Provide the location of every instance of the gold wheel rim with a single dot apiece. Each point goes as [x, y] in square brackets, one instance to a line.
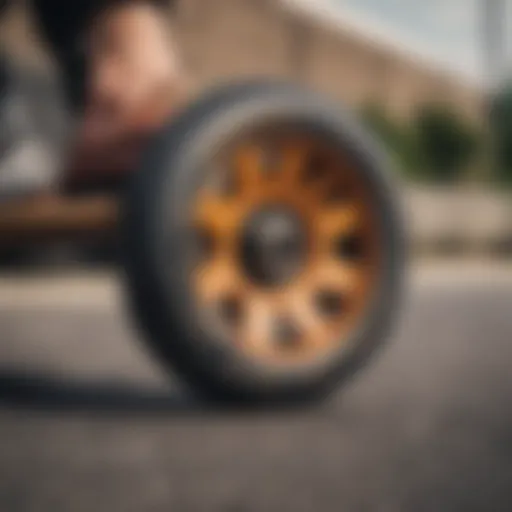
[318, 308]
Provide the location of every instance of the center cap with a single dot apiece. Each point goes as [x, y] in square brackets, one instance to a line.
[273, 246]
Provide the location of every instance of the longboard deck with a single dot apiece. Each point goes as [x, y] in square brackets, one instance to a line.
[56, 217]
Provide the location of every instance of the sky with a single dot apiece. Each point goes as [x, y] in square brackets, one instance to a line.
[448, 30]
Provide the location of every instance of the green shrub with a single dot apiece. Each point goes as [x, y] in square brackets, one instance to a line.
[397, 138]
[501, 136]
[437, 145]
[446, 143]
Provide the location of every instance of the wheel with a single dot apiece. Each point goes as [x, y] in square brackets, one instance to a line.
[262, 245]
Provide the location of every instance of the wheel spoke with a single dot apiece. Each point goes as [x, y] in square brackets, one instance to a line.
[216, 280]
[306, 318]
[249, 167]
[335, 275]
[292, 163]
[217, 216]
[338, 220]
[257, 324]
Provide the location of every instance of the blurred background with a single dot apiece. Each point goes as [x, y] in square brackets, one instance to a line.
[429, 80]
[87, 421]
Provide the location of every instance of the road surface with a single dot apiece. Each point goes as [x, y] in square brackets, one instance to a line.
[88, 422]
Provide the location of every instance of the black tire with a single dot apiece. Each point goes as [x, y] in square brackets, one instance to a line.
[155, 259]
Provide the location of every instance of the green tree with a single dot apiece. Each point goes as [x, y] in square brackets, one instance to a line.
[396, 137]
[447, 143]
[501, 135]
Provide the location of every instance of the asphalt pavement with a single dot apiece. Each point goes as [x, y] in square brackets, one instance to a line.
[89, 422]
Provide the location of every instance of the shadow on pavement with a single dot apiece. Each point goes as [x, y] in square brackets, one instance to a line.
[31, 391]
[39, 392]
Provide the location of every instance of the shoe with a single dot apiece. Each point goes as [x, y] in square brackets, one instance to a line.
[26, 170]
[31, 145]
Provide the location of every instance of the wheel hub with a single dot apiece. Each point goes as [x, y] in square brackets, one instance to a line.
[273, 246]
